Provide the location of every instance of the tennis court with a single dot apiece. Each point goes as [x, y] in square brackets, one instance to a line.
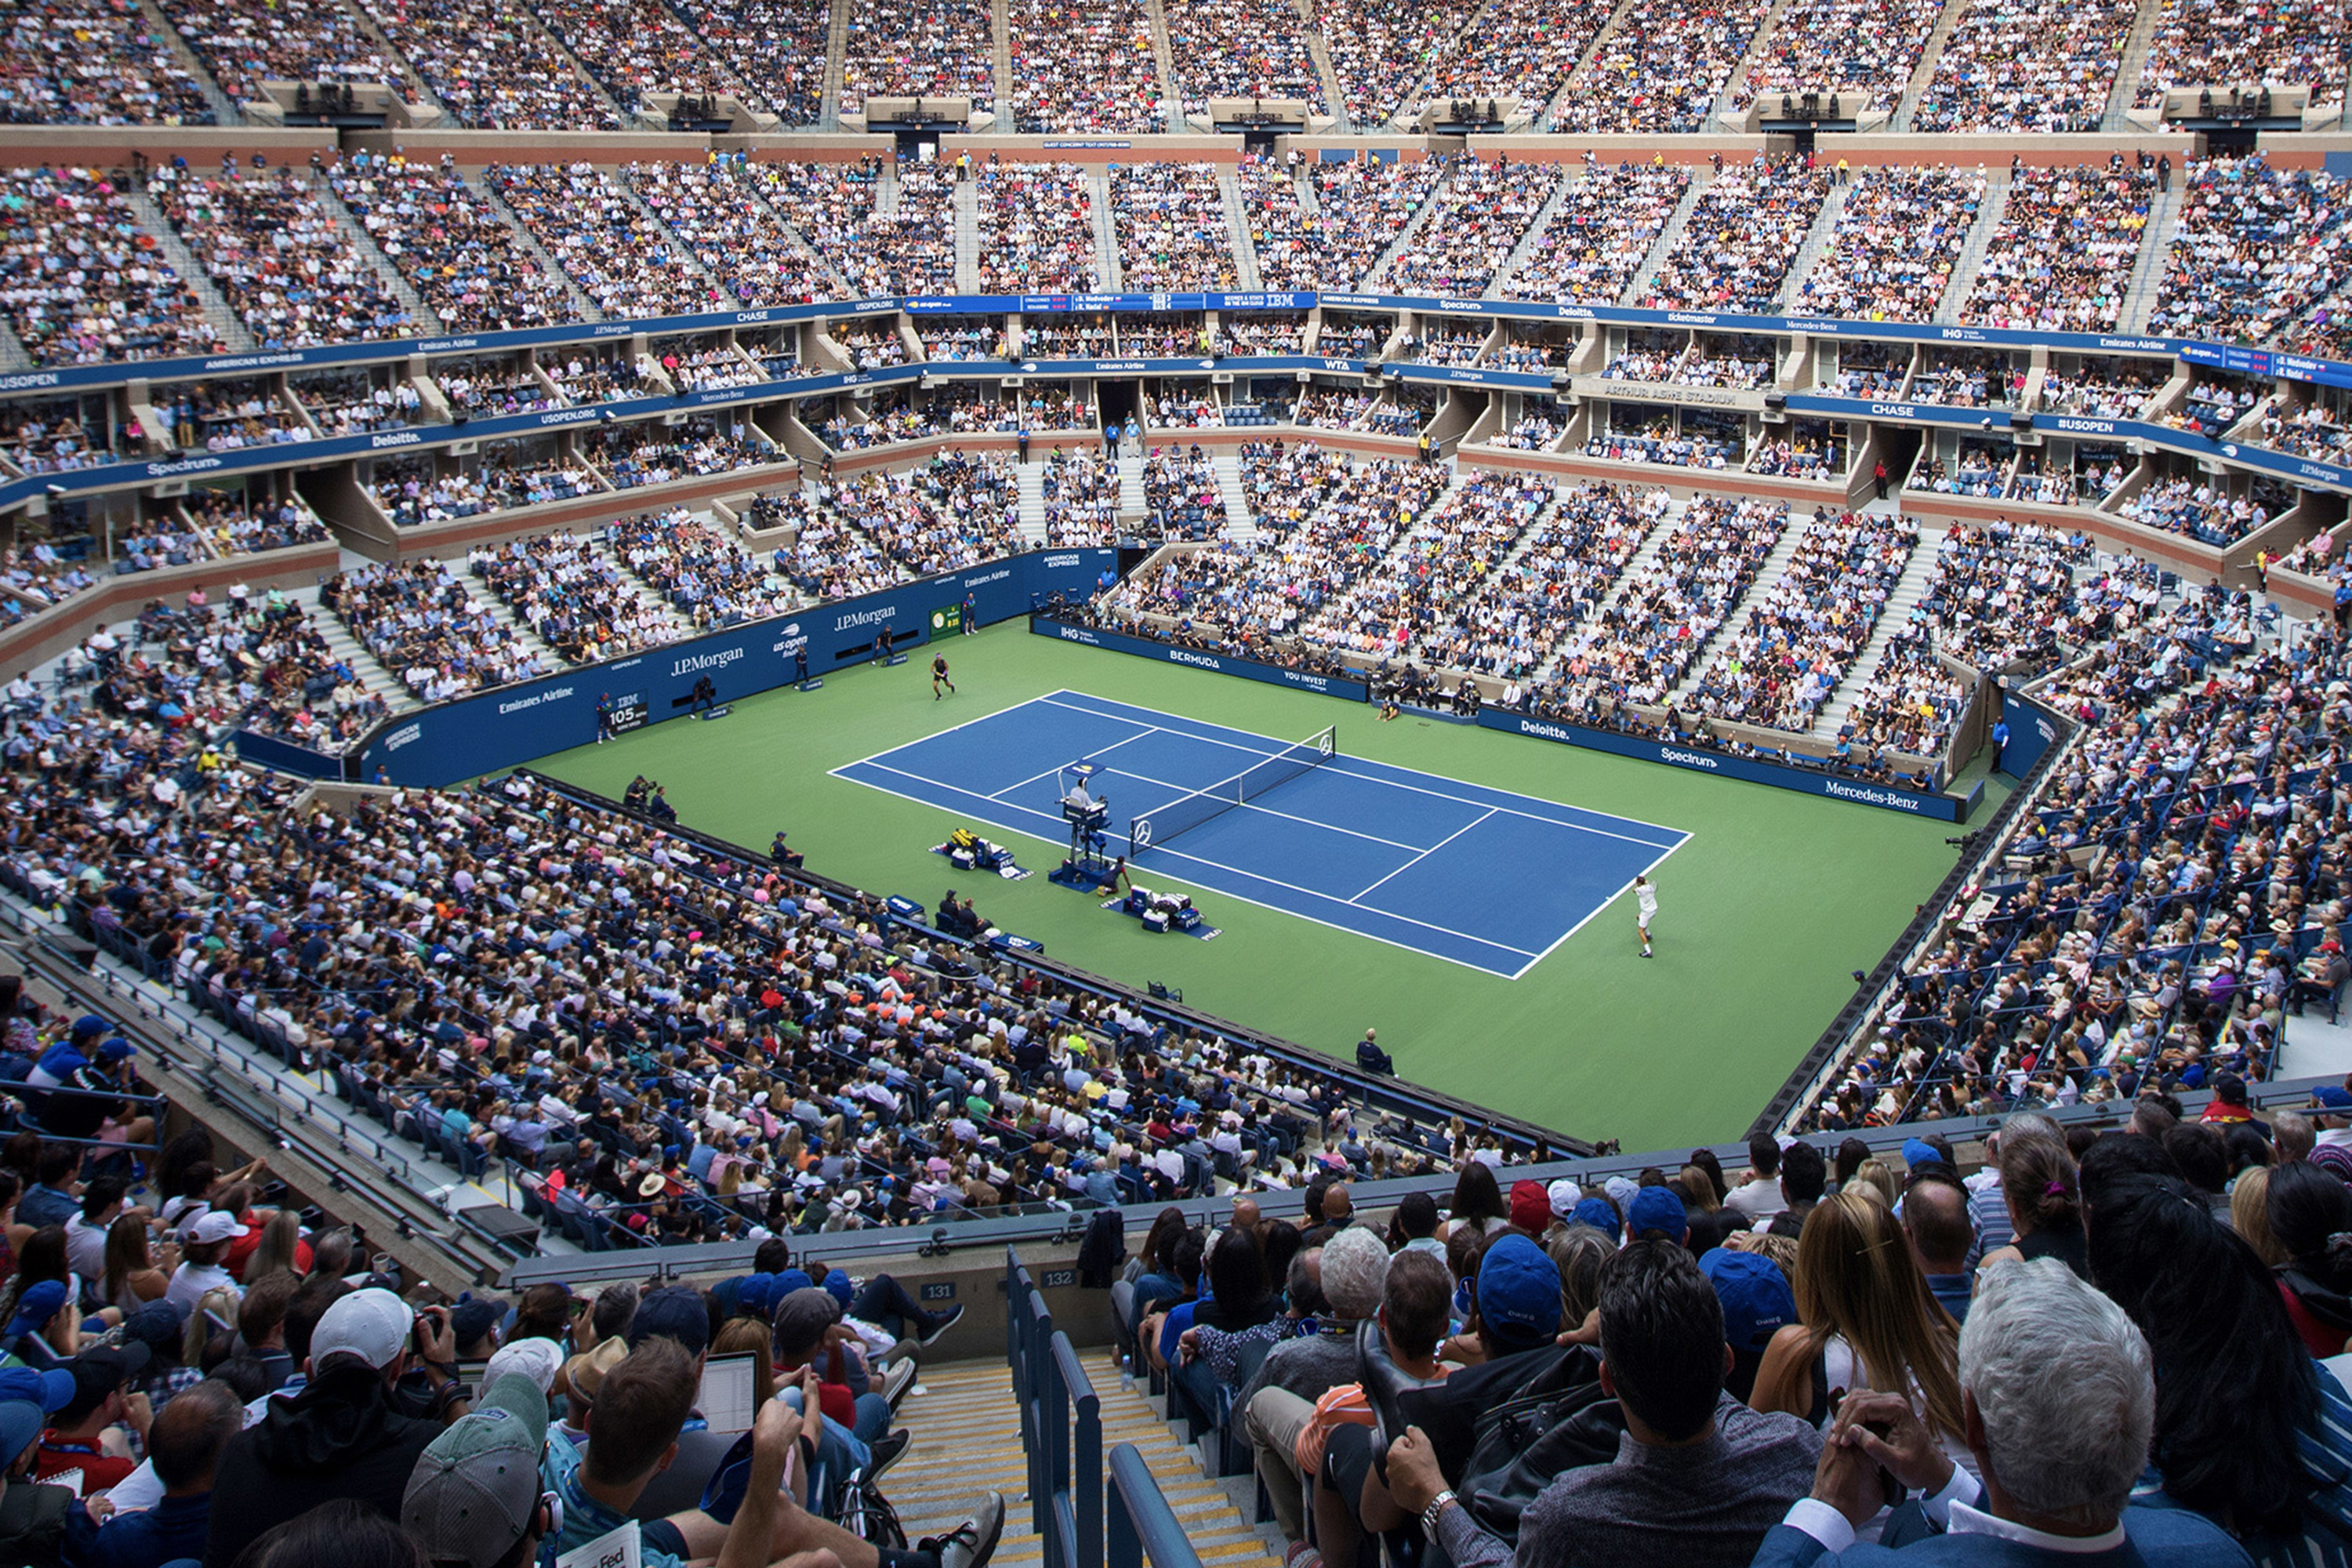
[1479, 876]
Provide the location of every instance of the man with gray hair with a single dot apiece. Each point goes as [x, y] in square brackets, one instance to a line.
[1276, 1403]
[2058, 1392]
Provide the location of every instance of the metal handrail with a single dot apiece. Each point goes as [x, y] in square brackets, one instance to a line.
[1061, 1427]
[1141, 1527]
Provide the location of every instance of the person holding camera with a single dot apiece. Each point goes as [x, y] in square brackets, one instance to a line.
[353, 1432]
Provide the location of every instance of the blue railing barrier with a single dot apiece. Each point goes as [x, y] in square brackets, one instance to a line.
[1143, 1527]
[1061, 1427]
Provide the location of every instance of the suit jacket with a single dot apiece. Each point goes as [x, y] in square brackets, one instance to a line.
[2153, 1538]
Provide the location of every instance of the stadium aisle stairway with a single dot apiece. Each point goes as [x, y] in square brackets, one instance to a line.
[967, 1429]
[1909, 589]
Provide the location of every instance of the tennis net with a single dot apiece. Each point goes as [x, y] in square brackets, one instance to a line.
[1182, 815]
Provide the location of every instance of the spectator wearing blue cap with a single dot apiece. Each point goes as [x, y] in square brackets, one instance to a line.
[1516, 1303]
[1601, 1215]
[1757, 1304]
[1698, 1480]
[45, 1326]
[1658, 1213]
[32, 1516]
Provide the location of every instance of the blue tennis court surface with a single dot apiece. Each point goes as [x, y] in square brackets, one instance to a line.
[1475, 876]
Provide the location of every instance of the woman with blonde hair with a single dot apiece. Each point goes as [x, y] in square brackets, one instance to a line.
[1866, 1320]
[2250, 1215]
[281, 1248]
[1874, 1179]
[749, 1336]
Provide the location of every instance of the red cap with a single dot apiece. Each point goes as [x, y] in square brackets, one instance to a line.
[1530, 1207]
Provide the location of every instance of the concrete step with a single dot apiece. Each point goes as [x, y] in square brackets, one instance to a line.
[1397, 247]
[1908, 590]
[1929, 58]
[966, 1436]
[1099, 202]
[1818, 240]
[837, 49]
[1972, 253]
[1237, 225]
[645, 590]
[1784, 550]
[411, 83]
[2148, 270]
[175, 250]
[1001, 53]
[2129, 69]
[356, 237]
[1526, 249]
[967, 234]
[496, 202]
[1669, 236]
[1241, 526]
[502, 612]
[13, 354]
[1736, 82]
[1030, 478]
[347, 647]
[225, 109]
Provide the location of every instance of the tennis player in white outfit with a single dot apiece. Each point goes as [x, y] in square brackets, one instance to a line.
[1645, 897]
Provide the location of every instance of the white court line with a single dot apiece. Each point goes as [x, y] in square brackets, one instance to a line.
[1328, 899]
[951, 789]
[1598, 908]
[1424, 855]
[1182, 792]
[1487, 808]
[1289, 910]
[1090, 756]
[967, 724]
[1377, 778]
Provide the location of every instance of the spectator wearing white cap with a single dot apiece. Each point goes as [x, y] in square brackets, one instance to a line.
[346, 1435]
[201, 1270]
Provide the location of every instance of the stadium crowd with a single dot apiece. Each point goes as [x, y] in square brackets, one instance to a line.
[1083, 66]
[1801, 640]
[1742, 238]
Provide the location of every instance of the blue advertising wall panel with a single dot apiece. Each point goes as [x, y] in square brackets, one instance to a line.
[2223, 356]
[1806, 781]
[2232, 358]
[2032, 730]
[268, 752]
[1224, 663]
[514, 724]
